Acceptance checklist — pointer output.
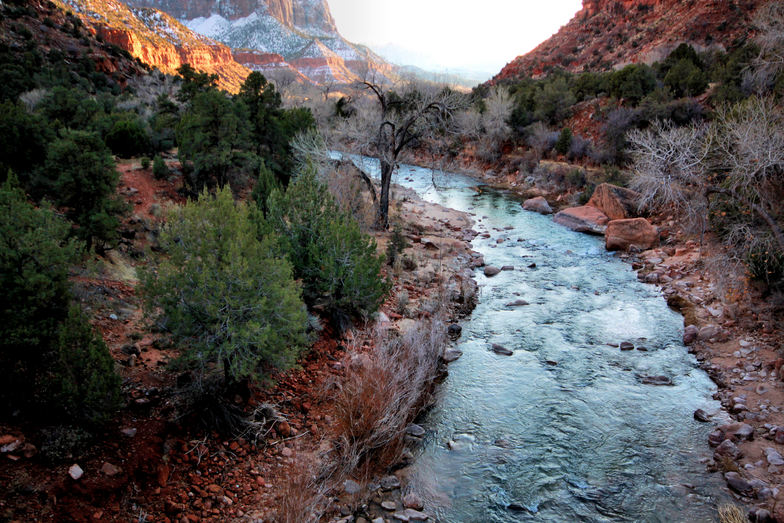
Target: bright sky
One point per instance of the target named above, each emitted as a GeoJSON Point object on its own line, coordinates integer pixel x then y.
{"type": "Point", "coordinates": [481, 35]}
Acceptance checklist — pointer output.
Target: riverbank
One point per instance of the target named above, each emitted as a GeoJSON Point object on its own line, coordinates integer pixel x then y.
{"type": "Point", "coordinates": [153, 463]}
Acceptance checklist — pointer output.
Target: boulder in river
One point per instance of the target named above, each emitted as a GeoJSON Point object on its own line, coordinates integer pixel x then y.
{"type": "Point", "coordinates": [622, 235]}
{"type": "Point", "coordinates": [454, 330]}
{"type": "Point", "coordinates": [451, 355]}
{"type": "Point", "coordinates": [627, 345]}
{"type": "Point", "coordinates": [656, 380]}
{"type": "Point", "coordinates": [583, 219]}
{"type": "Point", "coordinates": [617, 203]}
{"type": "Point", "coordinates": [517, 303]}
{"type": "Point", "coordinates": [538, 204]}
{"type": "Point", "coordinates": [701, 415]}
{"type": "Point", "coordinates": [491, 271]}
{"type": "Point", "coordinates": [500, 349]}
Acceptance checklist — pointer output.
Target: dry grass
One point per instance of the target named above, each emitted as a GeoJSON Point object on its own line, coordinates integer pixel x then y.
{"type": "Point", "coordinates": [384, 391]}
{"type": "Point", "coordinates": [381, 394]}
{"type": "Point", "coordinates": [732, 514]}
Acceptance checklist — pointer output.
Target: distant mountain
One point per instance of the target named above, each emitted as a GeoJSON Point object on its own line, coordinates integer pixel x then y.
{"type": "Point", "coordinates": [157, 39]}
{"type": "Point", "coordinates": [302, 32]}
{"type": "Point", "coordinates": [612, 33]}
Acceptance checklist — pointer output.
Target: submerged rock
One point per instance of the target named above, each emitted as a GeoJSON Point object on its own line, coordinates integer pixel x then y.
{"type": "Point", "coordinates": [656, 380]}
{"type": "Point", "coordinates": [500, 349]}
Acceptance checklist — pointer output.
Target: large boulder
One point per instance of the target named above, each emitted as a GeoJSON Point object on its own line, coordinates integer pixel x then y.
{"type": "Point", "coordinates": [623, 234]}
{"type": "Point", "coordinates": [616, 202]}
{"type": "Point", "coordinates": [583, 219]}
{"type": "Point", "coordinates": [538, 204]}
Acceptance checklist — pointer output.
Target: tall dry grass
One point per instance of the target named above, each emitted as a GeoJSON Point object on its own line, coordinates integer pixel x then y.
{"type": "Point", "coordinates": [383, 391]}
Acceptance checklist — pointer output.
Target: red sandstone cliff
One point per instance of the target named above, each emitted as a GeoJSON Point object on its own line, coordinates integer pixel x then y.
{"type": "Point", "coordinates": [158, 40]}
{"type": "Point", "coordinates": [612, 33]}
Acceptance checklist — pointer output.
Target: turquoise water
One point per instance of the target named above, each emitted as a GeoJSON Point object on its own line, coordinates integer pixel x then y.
{"type": "Point", "coordinates": [564, 429]}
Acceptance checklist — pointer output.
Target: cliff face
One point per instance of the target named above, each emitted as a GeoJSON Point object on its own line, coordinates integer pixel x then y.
{"type": "Point", "coordinates": [608, 34]}
{"type": "Point", "coordinates": [157, 39]}
{"type": "Point", "coordinates": [300, 14]}
{"type": "Point", "coordinates": [290, 28]}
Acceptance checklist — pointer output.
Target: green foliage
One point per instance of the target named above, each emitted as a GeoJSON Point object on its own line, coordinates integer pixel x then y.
{"type": "Point", "coordinates": [52, 358]}
{"type": "Point", "coordinates": [194, 82]}
{"type": "Point", "coordinates": [79, 173]}
{"type": "Point", "coordinates": [214, 138]}
{"type": "Point", "coordinates": [225, 294]}
{"type": "Point", "coordinates": [336, 262]}
{"type": "Point", "coordinates": [71, 108]}
{"type": "Point", "coordinates": [686, 79]}
{"type": "Point", "coordinates": [159, 169]}
{"type": "Point", "coordinates": [84, 383]}
{"type": "Point", "coordinates": [145, 162]}
{"type": "Point", "coordinates": [632, 83]}
{"type": "Point", "coordinates": [34, 263]}
{"type": "Point", "coordinates": [272, 127]}
{"type": "Point", "coordinates": [265, 184]}
{"type": "Point", "coordinates": [128, 136]}
{"type": "Point", "coordinates": [397, 244]}
{"type": "Point", "coordinates": [554, 102]}
{"type": "Point", "coordinates": [564, 141]}
{"type": "Point", "coordinates": [24, 138]}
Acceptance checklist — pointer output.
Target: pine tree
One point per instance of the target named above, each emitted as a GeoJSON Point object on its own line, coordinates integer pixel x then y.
{"type": "Point", "coordinates": [225, 294]}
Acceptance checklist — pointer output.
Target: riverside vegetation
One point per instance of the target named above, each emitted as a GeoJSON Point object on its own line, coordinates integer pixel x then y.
{"type": "Point", "coordinates": [265, 249]}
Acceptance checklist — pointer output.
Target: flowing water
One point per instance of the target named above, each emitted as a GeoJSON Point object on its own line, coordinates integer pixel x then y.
{"type": "Point", "coordinates": [564, 429]}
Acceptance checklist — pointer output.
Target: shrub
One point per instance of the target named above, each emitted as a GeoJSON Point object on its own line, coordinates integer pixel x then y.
{"type": "Point", "coordinates": [128, 137]}
{"type": "Point", "coordinates": [226, 295]}
{"type": "Point", "coordinates": [564, 142]}
{"type": "Point", "coordinates": [397, 244]}
{"type": "Point", "coordinates": [159, 168]}
{"type": "Point", "coordinates": [85, 384]}
{"type": "Point", "coordinates": [337, 263]}
{"type": "Point", "coordinates": [145, 162]}
{"type": "Point", "coordinates": [265, 184]}
{"type": "Point", "coordinates": [53, 360]}
{"type": "Point", "coordinates": [79, 175]}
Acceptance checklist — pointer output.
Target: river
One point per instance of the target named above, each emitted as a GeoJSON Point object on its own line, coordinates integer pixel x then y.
{"type": "Point", "coordinates": [565, 429]}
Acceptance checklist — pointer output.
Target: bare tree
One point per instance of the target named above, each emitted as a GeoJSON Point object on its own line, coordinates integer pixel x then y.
{"type": "Point", "coordinates": [391, 120]}
{"type": "Point", "coordinates": [738, 160]}
{"type": "Point", "coordinates": [769, 21]}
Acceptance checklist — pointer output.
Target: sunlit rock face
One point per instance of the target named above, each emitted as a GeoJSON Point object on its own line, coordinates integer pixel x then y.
{"type": "Point", "coordinates": [607, 34]}
{"type": "Point", "coordinates": [158, 39]}
{"type": "Point", "coordinates": [303, 32]}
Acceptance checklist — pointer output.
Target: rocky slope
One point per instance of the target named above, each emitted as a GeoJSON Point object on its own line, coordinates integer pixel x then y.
{"type": "Point", "coordinates": [157, 39]}
{"type": "Point", "coordinates": [294, 29]}
{"type": "Point", "coordinates": [612, 33]}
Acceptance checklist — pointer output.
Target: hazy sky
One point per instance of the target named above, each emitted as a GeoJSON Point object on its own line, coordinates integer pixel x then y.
{"type": "Point", "coordinates": [452, 34]}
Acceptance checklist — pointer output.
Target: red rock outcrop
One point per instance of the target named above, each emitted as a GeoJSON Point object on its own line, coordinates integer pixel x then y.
{"type": "Point", "coordinates": [621, 235]}
{"type": "Point", "coordinates": [158, 40]}
{"type": "Point", "coordinates": [583, 219]}
{"type": "Point", "coordinates": [613, 33]}
{"type": "Point", "coordinates": [615, 202]}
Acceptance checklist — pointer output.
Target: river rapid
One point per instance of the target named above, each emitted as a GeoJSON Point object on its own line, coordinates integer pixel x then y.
{"type": "Point", "coordinates": [564, 429]}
